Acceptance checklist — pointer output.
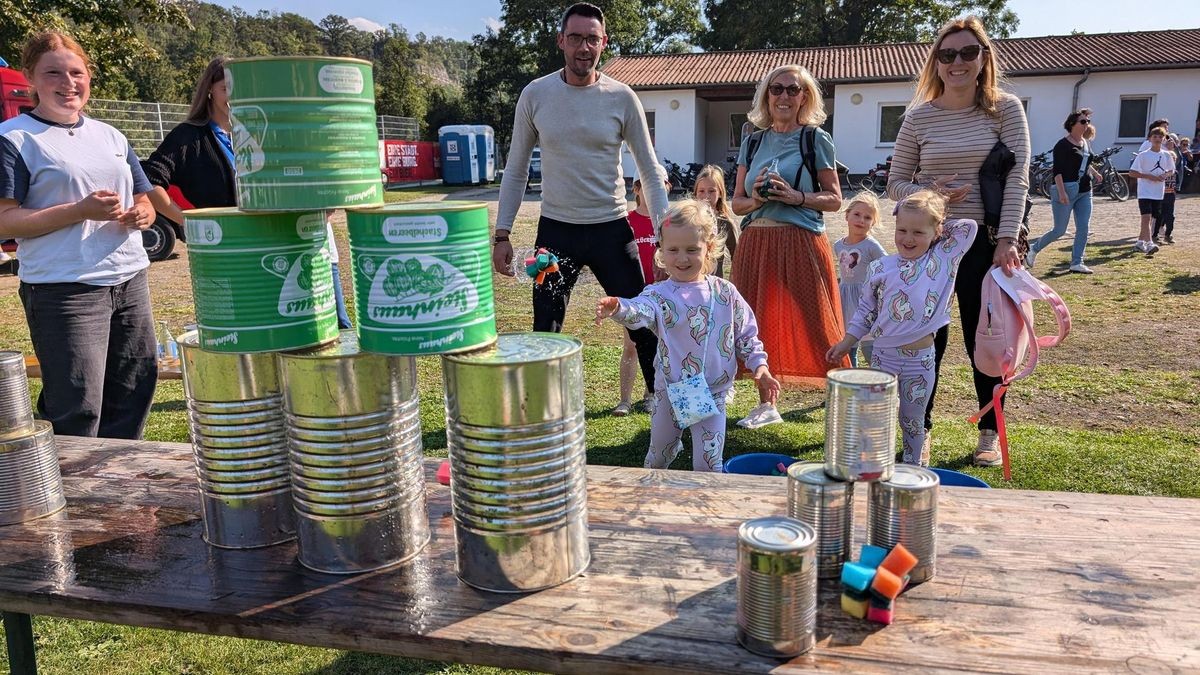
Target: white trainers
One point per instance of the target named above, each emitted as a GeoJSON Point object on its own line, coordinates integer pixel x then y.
{"type": "Point", "coordinates": [1030, 257]}
{"type": "Point", "coordinates": [4, 256]}
{"type": "Point", "coordinates": [1080, 269]}
{"type": "Point", "coordinates": [1139, 246]}
{"type": "Point", "coordinates": [1151, 248]}
{"type": "Point", "coordinates": [729, 396]}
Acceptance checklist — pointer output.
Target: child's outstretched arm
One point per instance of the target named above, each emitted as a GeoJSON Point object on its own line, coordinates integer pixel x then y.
{"type": "Point", "coordinates": [768, 386]}
{"type": "Point", "coordinates": [640, 312]}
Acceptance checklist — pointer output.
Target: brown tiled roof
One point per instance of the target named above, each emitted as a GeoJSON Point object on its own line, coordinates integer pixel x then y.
{"type": "Point", "coordinates": [1049, 55]}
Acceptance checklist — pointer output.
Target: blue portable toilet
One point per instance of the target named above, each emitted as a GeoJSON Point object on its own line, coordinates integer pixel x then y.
{"type": "Point", "coordinates": [460, 155]}
{"type": "Point", "coordinates": [485, 142]}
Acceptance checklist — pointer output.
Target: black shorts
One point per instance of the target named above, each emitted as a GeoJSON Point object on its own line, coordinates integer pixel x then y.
{"type": "Point", "coordinates": [1150, 207]}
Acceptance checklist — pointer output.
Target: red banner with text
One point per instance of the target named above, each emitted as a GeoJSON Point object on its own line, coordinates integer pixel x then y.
{"type": "Point", "coordinates": [407, 161]}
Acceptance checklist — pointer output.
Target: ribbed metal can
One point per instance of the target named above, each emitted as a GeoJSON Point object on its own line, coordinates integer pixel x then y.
{"type": "Point", "coordinates": [827, 505]}
{"type": "Point", "coordinates": [776, 586]}
{"type": "Point", "coordinates": [515, 429]}
{"type": "Point", "coordinates": [356, 457]}
{"type": "Point", "coordinates": [235, 417]}
{"type": "Point", "coordinates": [16, 411]}
{"type": "Point", "coordinates": [903, 509]}
{"type": "Point", "coordinates": [861, 411]}
{"type": "Point", "coordinates": [30, 483]}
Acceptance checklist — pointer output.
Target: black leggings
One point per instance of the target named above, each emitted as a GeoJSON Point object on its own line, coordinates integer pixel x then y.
{"type": "Point", "coordinates": [607, 249]}
{"type": "Point", "coordinates": [1166, 215]}
{"type": "Point", "coordinates": [968, 286]}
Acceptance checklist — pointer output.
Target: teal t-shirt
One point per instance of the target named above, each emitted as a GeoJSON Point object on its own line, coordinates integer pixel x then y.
{"type": "Point", "coordinates": [787, 148]}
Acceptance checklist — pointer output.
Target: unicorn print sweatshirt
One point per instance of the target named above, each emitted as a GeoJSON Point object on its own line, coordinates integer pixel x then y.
{"type": "Point", "coordinates": [691, 338]}
{"type": "Point", "coordinates": [906, 300]}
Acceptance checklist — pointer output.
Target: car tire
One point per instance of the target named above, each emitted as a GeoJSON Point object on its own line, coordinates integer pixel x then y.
{"type": "Point", "coordinates": [159, 239]}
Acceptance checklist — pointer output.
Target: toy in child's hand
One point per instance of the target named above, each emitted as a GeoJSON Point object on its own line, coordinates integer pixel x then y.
{"type": "Point", "coordinates": [540, 264]}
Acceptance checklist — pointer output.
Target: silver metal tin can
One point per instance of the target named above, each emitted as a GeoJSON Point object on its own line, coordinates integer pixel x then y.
{"type": "Point", "coordinates": [235, 416]}
{"type": "Point", "coordinates": [827, 505]}
{"type": "Point", "coordinates": [903, 510]}
{"type": "Point", "coordinates": [515, 430]}
{"type": "Point", "coordinates": [30, 482]}
{"type": "Point", "coordinates": [16, 411]}
{"type": "Point", "coordinates": [776, 586]}
{"type": "Point", "coordinates": [356, 457]}
{"type": "Point", "coordinates": [861, 412]}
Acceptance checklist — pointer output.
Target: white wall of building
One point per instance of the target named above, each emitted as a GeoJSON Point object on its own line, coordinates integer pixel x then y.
{"type": "Point", "coordinates": [675, 137]}
{"type": "Point", "coordinates": [717, 148]}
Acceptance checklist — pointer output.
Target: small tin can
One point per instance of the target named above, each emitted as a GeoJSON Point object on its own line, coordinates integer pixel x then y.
{"type": "Point", "coordinates": [903, 510]}
{"type": "Point", "coordinates": [776, 586]}
{"type": "Point", "coordinates": [826, 504]}
{"type": "Point", "coordinates": [16, 410]}
{"type": "Point", "coordinates": [861, 411]}
{"type": "Point", "coordinates": [30, 483]}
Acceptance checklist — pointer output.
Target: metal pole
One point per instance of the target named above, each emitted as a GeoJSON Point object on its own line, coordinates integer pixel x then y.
{"type": "Point", "coordinates": [18, 631]}
{"type": "Point", "coordinates": [161, 132]}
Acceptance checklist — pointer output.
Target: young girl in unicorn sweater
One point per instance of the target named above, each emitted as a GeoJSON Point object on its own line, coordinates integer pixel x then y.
{"type": "Point", "coordinates": [905, 300]}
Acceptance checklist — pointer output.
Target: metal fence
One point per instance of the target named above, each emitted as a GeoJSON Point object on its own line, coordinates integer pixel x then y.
{"type": "Point", "coordinates": [395, 128]}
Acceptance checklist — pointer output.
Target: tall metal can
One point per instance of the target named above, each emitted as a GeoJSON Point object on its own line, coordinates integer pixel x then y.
{"type": "Point", "coordinates": [903, 510]}
{"type": "Point", "coordinates": [235, 417]}
{"type": "Point", "coordinates": [776, 586]}
{"type": "Point", "coordinates": [304, 133]}
{"type": "Point", "coordinates": [16, 410]}
{"type": "Point", "coordinates": [827, 505]}
{"type": "Point", "coordinates": [30, 482]}
{"type": "Point", "coordinates": [861, 411]}
{"type": "Point", "coordinates": [422, 277]}
{"type": "Point", "coordinates": [518, 457]}
{"type": "Point", "coordinates": [356, 456]}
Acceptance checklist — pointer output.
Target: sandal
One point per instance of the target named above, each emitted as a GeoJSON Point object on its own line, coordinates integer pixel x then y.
{"type": "Point", "coordinates": [622, 409]}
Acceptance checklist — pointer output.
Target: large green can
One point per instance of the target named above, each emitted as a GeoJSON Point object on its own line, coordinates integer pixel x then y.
{"type": "Point", "coordinates": [261, 281]}
{"type": "Point", "coordinates": [304, 134]}
{"type": "Point", "coordinates": [422, 278]}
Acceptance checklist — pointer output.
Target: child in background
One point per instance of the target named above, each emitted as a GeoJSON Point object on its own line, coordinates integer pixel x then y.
{"type": "Point", "coordinates": [905, 300]}
{"type": "Point", "coordinates": [710, 189]}
{"type": "Point", "coordinates": [704, 326]}
{"type": "Point", "coordinates": [1166, 217]}
{"type": "Point", "coordinates": [643, 236]}
{"type": "Point", "coordinates": [1151, 168]}
{"type": "Point", "coordinates": [855, 252]}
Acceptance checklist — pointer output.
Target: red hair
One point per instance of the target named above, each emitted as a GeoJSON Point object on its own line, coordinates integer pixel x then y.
{"type": "Point", "coordinates": [39, 44]}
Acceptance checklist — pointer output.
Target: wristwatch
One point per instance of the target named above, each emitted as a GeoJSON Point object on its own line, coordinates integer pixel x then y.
{"type": "Point", "coordinates": [501, 235]}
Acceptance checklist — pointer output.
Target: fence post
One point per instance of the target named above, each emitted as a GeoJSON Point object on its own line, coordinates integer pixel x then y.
{"type": "Point", "coordinates": [161, 133]}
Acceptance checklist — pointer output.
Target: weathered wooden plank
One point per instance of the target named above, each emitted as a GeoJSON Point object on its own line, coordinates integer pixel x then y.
{"type": "Point", "coordinates": [1027, 581]}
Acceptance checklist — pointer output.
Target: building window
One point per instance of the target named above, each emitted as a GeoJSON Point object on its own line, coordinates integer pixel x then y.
{"type": "Point", "coordinates": [739, 128]}
{"type": "Point", "coordinates": [650, 125]}
{"type": "Point", "coordinates": [1135, 115]}
{"type": "Point", "coordinates": [890, 117]}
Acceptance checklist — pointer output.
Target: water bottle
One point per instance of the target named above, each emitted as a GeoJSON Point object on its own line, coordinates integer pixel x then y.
{"type": "Point", "coordinates": [168, 349]}
{"type": "Point", "coordinates": [765, 190]}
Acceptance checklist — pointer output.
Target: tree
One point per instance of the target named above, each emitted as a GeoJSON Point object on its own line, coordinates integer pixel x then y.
{"type": "Point", "coordinates": [775, 24]}
{"type": "Point", "coordinates": [342, 39]}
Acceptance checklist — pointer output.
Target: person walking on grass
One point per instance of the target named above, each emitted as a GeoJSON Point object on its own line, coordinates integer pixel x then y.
{"type": "Point", "coordinates": [1152, 169]}
{"type": "Point", "coordinates": [1073, 178]}
{"type": "Point", "coordinates": [580, 117]}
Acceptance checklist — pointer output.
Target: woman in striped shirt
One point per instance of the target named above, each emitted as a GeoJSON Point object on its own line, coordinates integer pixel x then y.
{"type": "Point", "coordinates": [956, 116]}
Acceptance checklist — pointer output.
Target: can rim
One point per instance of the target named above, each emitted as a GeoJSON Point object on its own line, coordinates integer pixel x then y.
{"type": "Point", "coordinates": [237, 211]}
{"type": "Point", "coordinates": [340, 59]}
{"type": "Point", "coordinates": [779, 534]}
{"type": "Point", "coordinates": [912, 478]}
{"type": "Point", "coordinates": [491, 355]}
{"type": "Point", "coordinates": [418, 207]}
{"type": "Point", "coordinates": [805, 472]}
{"type": "Point", "coordinates": [861, 376]}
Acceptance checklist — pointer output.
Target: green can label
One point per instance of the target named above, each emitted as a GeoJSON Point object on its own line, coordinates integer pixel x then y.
{"type": "Point", "coordinates": [261, 282]}
{"type": "Point", "coordinates": [422, 280]}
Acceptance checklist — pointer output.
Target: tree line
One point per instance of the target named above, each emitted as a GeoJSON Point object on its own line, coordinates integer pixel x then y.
{"type": "Point", "coordinates": [153, 50]}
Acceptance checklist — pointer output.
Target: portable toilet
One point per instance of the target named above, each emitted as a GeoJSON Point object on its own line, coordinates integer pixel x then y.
{"type": "Point", "coordinates": [460, 154]}
{"type": "Point", "coordinates": [485, 140]}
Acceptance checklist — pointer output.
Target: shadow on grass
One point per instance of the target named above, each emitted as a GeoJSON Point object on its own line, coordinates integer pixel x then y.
{"type": "Point", "coordinates": [1183, 284]}
{"type": "Point", "coordinates": [356, 663]}
{"type": "Point", "coordinates": [178, 405]}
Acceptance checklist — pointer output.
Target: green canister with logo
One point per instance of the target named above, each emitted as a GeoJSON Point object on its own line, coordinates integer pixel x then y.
{"type": "Point", "coordinates": [422, 278]}
{"type": "Point", "coordinates": [261, 281]}
{"type": "Point", "coordinates": [304, 133]}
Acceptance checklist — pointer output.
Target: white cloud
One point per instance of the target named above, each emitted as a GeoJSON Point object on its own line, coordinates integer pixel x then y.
{"type": "Point", "coordinates": [492, 22]}
{"type": "Point", "coordinates": [365, 24]}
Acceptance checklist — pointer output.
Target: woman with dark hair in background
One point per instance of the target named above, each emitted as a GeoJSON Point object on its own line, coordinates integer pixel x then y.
{"type": "Point", "coordinates": [1073, 178]}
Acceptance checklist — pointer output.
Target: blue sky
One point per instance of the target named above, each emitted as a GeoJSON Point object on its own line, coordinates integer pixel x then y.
{"type": "Point", "coordinates": [461, 19]}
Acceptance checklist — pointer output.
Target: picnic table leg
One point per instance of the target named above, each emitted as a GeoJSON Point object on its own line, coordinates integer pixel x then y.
{"type": "Point", "coordinates": [18, 630]}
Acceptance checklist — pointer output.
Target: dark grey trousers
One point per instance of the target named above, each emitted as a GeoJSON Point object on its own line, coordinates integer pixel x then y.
{"type": "Point", "coordinates": [97, 349]}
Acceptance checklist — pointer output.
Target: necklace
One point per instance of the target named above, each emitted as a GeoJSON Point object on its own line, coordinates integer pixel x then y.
{"type": "Point", "coordinates": [70, 127]}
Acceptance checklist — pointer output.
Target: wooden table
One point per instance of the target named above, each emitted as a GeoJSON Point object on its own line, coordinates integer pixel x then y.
{"type": "Point", "coordinates": [1027, 581]}
{"type": "Point", "coordinates": [33, 368]}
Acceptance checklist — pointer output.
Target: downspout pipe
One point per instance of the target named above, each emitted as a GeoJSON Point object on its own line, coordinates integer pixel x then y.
{"type": "Point", "coordinates": [1075, 95]}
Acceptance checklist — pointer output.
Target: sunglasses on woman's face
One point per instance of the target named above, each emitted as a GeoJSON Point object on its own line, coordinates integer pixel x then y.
{"type": "Point", "coordinates": [1083, 121]}
{"type": "Point", "coordinates": [792, 90]}
{"type": "Point", "coordinates": [968, 53]}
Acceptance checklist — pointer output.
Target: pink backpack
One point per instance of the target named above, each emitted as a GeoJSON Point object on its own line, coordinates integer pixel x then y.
{"type": "Point", "coordinates": [1006, 345]}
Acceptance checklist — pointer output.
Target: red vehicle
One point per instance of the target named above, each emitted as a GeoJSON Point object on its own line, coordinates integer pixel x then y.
{"type": "Point", "coordinates": [16, 97]}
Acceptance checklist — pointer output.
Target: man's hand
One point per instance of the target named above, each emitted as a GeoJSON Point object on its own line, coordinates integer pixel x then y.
{"type": "Point", "coordinates": [502, 255]}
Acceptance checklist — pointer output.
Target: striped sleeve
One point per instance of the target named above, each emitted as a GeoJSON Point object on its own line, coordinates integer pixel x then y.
{"type": "Point", "coordinates": [905, 156]}
{"type": "Point", "coordinates": [1014, 131]}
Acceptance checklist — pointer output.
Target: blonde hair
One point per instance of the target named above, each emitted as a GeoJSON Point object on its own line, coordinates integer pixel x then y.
{"type": "Point", "coordinates": [716, 175]}
{"type": "Point", "coordinates": [867, 199]}
{"type": "Point", "coordinates": [698, 215]}
{"type": "Point", "coordinates": [927, 203]}
{"type": "Point", "coordinates": [987, 93]}
{"type": "Point", "coordinates": [213, 73]}
{"type": "Point", "coordinates": [42, 43]}
{"type": "Point", "coordinates": [811, 113]}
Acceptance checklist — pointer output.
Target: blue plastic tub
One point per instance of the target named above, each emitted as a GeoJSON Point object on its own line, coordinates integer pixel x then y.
{"type": "Point", "coordinates": [757, 463]}
{"type": "Point", "coordinates": [958, 479]}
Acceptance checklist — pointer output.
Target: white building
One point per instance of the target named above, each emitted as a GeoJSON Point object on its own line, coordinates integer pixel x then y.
{"type": "Point", "coordinates": [696, 103]}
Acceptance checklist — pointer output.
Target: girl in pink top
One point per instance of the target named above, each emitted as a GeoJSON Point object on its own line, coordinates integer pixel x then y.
{"type": "Point", "coordinates": [905, 300]}
{"type": "Point", "coordinates": [703, 326]}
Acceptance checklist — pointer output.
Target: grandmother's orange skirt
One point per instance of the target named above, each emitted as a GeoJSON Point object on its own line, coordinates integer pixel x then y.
{"type": "Point", "coordinates": [786, 274]}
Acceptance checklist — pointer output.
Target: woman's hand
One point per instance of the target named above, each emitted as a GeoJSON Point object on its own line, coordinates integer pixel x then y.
{"type": "Point", "coordinates": [100, 205]}
{"type": "Point", "coordinates": [762, 179]}
{"type": "Point", "coordinates": [953, 194]}
{"type": "Point", "coordinates": [606, 307]}
{"type": "Point", "coordinates": [1006, 256]}
{"type": "Point", "coordinates": [768, 386]}
{"type": "Point", "coordinates": [783, 193]}
{"type": "Point", "coordinates": [838, 352]}
{"type": "Point", "coordinates": [139, 217]}
{"type": "Point", "coordinates": [1062, 197]}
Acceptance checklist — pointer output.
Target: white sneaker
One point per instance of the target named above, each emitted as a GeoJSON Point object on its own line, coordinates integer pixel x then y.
{"type": "Point", "coordinates": [4, 256]}
{"type": "Point", "coordinates": [1030, 257]}
{"type": "Point", "coordinates": [729, 396]}
{"type": "Point", "coordinates": [1151, 248]}
{"type": "Point", "coordinates": [1139, 246]}
{"type": "Point", "coordinates": [1081, 269]}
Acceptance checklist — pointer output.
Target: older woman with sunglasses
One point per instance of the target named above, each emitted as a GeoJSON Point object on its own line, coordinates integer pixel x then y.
{"type": "Point", "coordinates": [1073, 178]}
{"type": "Point", "coordinates": [955, 118]}
{"type": "Point", "coordinates": [784, 262]}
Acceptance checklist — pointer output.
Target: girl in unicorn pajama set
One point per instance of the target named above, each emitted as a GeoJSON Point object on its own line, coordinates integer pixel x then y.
{"type": "Point", "coordinates": [703, 326]}
{"type": "Point", "coordinates": [905, 300]}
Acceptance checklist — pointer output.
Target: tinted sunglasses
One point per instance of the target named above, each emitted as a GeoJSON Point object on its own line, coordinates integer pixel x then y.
{"type": "Point", "coordinates": [1083, 121]}
{"type": "Point", "coordinates": [791, 89]}
{"type": "Point", "coordinates": [968, 53]}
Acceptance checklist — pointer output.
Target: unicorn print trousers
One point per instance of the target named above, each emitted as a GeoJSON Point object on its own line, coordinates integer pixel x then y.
{"type": "Point", "coordinates": [708, 437]}
{"type": "Point", "coordinates": [914, 371]}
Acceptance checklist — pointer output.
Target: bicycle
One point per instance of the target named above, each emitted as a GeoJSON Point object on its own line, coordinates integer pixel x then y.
{"type": "Point", "coordinates": [1041, 175]}
{"type": "Point", "coordinates": [876, 179]}
{"type": "Point", "coordinates": [1111, 182]}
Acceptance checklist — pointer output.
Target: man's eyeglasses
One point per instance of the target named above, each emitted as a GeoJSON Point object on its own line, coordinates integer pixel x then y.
{"type": "Point", "coordinates": [968, 53]}
{"type": "Point", "coordinates": [575, 39]}
{"type": "Point", "coordinates": [778, 89]}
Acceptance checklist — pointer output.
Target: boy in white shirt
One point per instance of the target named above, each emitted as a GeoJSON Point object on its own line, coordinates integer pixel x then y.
{"type": "Point", "coordinates": [1152, 169]}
